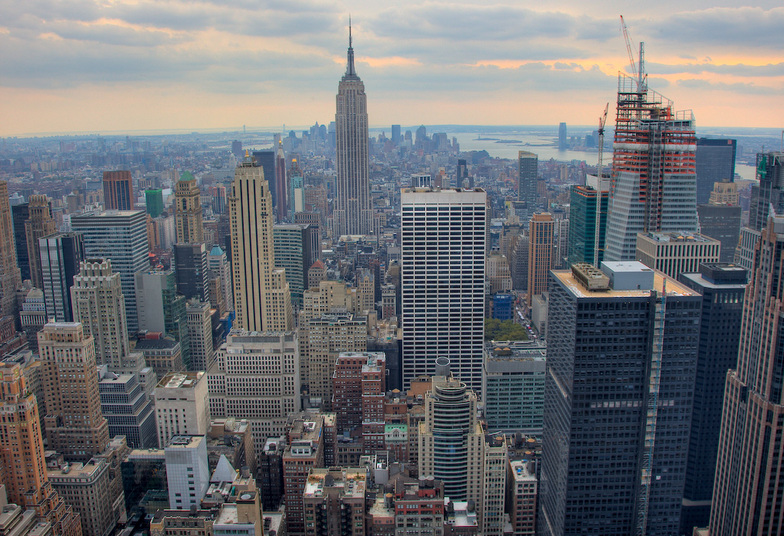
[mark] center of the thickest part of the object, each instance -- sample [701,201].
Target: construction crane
[638,68]
[597,231]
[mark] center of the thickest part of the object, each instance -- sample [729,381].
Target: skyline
[122,66]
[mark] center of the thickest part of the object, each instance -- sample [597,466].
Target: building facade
[39,224]
[10,274]
[117,190]
[61,255]
[443,242]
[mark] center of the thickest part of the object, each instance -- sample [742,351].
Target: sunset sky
[113,65]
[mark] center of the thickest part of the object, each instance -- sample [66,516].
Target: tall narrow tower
[39,224]
[747,493]
[261,293]
[352,214]
[10,277]
[187,210]
[281,189]
[654,173]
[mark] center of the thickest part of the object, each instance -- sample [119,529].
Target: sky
[107,66]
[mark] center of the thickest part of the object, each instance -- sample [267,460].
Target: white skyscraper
[443,281]
[353,214]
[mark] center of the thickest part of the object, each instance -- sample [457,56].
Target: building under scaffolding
[654,180]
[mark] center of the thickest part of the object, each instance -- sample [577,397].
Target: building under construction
[654,177]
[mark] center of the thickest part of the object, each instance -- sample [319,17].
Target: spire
[350,71]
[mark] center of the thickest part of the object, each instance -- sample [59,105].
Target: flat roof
[566,277]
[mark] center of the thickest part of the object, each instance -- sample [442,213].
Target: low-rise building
[334,502]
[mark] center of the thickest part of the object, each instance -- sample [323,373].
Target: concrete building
[261,293]
[99,305]
[233,439]
[61,255]
[10,274]
[256,377]
[120,236]
[117,190]
[127,407]
[32,316]
[187,470]
[187,210]
[513,383]
[676,253]
[87,488]
[162,354]
[181,405]
[618,401]
[218,265]
[722,287]
[353,213]
[748,488]
[23,449]
[199,317]
[334,501]
[359,385]
[541,254]
[527,179]
[40,223]
[443,243]
[75,426]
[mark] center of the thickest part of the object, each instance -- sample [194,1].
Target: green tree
[507,330]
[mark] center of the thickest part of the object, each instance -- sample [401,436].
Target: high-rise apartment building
[541,254]
[654,180]
[181,405]
[120,236]
[358,392]
[256,377]
[261,293]
[117,190]
[75,426]
[527,180]
[22,462]
[305,450]
[747,492]
[39,224]
[621,360]
[715,159]
[61,255]
[99,305]
[10,275]
[187,210]
[353,214]
[722,287]
[443,238]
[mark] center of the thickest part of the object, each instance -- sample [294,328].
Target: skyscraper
[769,191]
[22,462]
[443,234]
[715,160]
[722,287]
[720,218]
[582,221]
[353,214]
[154,202]
[654,181]
[98,303]
[38,225]
[747,493]
[190,269]
[75,426]
[621,360]
[297,246]
[117,190]
[187,210]
[60,257]
[10,277]
[281,187]
[541,244]
[21,213]
[527,180]
[261,293]
[562,139]
[120,236]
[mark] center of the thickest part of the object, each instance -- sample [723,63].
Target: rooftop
[180,380]
[350,482]
[674,288]
[679,237]
[523,471]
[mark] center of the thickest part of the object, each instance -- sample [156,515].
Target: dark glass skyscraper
[582,224]
[621,360]
[61,255]
[769,191]
[722,287]
[715,162]
[117,190]
[528,174]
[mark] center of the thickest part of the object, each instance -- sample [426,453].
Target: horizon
[171,65]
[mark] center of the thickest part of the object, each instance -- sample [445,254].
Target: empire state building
[352,213]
